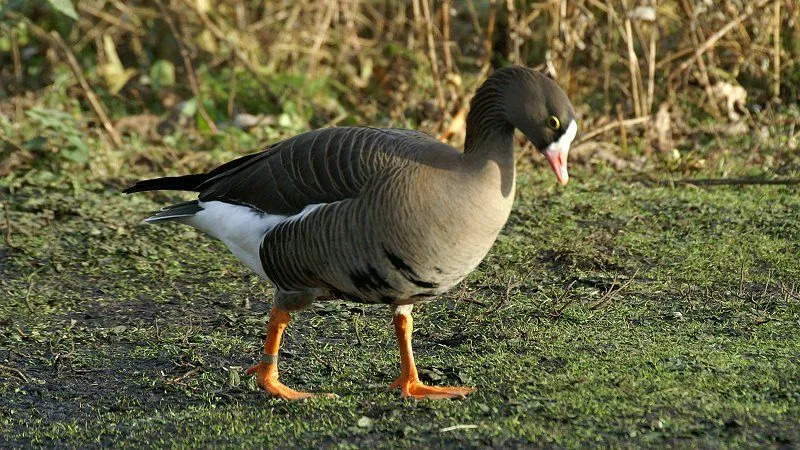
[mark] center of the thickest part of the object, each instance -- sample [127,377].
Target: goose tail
[182,183]
[194,182]
[176,211]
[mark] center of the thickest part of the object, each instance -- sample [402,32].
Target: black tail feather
[187,182]
[183,183]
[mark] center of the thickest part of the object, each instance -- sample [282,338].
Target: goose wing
[320,166]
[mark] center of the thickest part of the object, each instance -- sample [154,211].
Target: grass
[612,312]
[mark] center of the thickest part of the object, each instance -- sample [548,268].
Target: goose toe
[279,390]
[416,389]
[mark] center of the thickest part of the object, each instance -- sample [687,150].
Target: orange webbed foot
[267,379]
[408,381]
[416,389]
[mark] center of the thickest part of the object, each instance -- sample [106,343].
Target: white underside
[241,228]
[400,310]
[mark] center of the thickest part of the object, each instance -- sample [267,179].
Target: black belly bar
[336,294]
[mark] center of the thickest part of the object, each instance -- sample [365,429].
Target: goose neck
[488,130]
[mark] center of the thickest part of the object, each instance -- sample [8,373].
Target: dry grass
[643,74]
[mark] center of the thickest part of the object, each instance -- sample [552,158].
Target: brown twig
[623,133]
[560,311]
[651,68]
[187,63]
[158,332]
[357,331]
[473,301]
[610,126]
[27,297]
[633,65]
[457,124]
[7,213]
[511,284]
[437,79]
[15,371]
[766,286]
[232,93]
[741,279]
[702,48]
[513,31]
[733,181]
[178,379]
[605,151]
[776,58]
[473,15]
[448,57]
[94,102]
[15,57]
[674,55]
[106,17]
[552,34]
[491,22]
[705,79]
[788,291]
[609,295]
[235,48]
[320,37]
[607,56]
[241,24]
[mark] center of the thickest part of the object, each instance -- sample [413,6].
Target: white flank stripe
[241,228]
[306,211]
[399,310]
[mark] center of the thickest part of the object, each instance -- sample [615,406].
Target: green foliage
[57,132]
[162,74]
[65,7]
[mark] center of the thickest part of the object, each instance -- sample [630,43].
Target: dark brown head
[537,106]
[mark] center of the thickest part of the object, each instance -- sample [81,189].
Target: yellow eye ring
[553,123]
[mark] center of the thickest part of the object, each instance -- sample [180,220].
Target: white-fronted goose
[375,215]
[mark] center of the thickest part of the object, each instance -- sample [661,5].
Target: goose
[374,215]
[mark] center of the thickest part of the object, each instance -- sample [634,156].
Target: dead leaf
[113,72]
[662,127]
[457,126]
[733,96]
[142,124]
[644,14]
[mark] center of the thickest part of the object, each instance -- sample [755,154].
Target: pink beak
[558,162]
[556,153]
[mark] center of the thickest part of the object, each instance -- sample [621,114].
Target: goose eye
[553,123]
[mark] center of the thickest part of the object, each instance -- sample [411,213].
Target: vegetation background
[654,301]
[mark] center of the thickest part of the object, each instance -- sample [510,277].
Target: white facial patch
[563,143]
[561,147]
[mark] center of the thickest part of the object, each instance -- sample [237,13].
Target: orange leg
[408,381]
[267,369]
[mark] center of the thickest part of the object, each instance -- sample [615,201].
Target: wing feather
[320,166]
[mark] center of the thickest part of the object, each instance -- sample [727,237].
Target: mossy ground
[611,312]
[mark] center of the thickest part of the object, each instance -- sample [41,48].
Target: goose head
[540,109]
